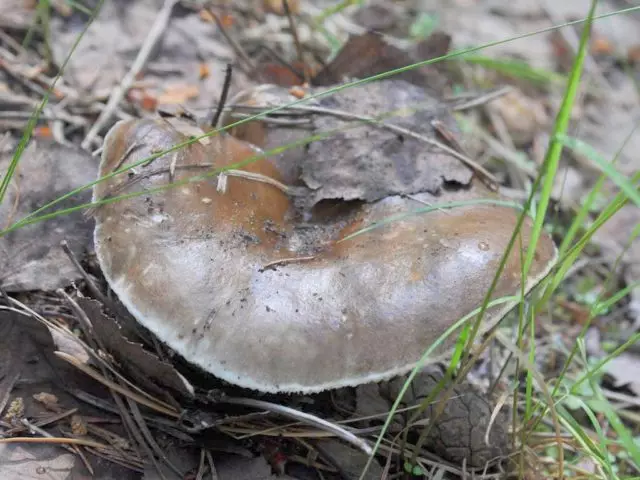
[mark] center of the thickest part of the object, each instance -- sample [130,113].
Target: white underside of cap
[166,334]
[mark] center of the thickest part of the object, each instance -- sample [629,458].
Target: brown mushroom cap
[188,263]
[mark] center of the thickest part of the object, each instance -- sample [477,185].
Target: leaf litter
[174,75]
[31,257]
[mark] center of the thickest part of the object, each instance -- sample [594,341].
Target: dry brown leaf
[140,363]
[24,462]
[178,94]
[523,116]
[368,163]
[67,343]
[278,7]
[31,256]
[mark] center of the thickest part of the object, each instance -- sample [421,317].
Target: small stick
[286,261]
[258,177]
[85,323]
[273,120]
[223,97]
[54,440]
[42,423]
[95,291]
[428,204]
[234,44]
[148,436]
[201,470]
[125,155]
[114,386]
[72,448]
[477,100]
[158,27]
[303,417]
[212,467]
[266,50]
[296,40]
[122,460]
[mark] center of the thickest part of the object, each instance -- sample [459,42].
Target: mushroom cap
[189,263]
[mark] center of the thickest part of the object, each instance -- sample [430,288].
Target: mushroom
[239,286]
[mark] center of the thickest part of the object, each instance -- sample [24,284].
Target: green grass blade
[26,136]
[517,69]
[419,366]
[601,307]
[315,96]
[603,164]
[554,150]
[581,216]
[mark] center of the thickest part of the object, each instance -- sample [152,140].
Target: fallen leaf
[42,131]
[11,357]
[140,363]
[118,33]
[624,369]
[278,6]
[601,45]
[22,462]
[178,94]
[281,75]
[49,400]
[369,163]
[377,16]
[143,99]
[31,256]
[203,70]
[522,115]
[370,54]
[67,343]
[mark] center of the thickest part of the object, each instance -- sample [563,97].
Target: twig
[93,288]
[201,470]
[296,40]
[212,467]
[429,204]
[223,97]
[137,416]
[303,417]
[72,448]
[90,212]
[258,177]
[108,383]
[83,319]
[122,461]
[286,261]
[234,44]
[477,100]
[286,122]
[54,440]
[158,27]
